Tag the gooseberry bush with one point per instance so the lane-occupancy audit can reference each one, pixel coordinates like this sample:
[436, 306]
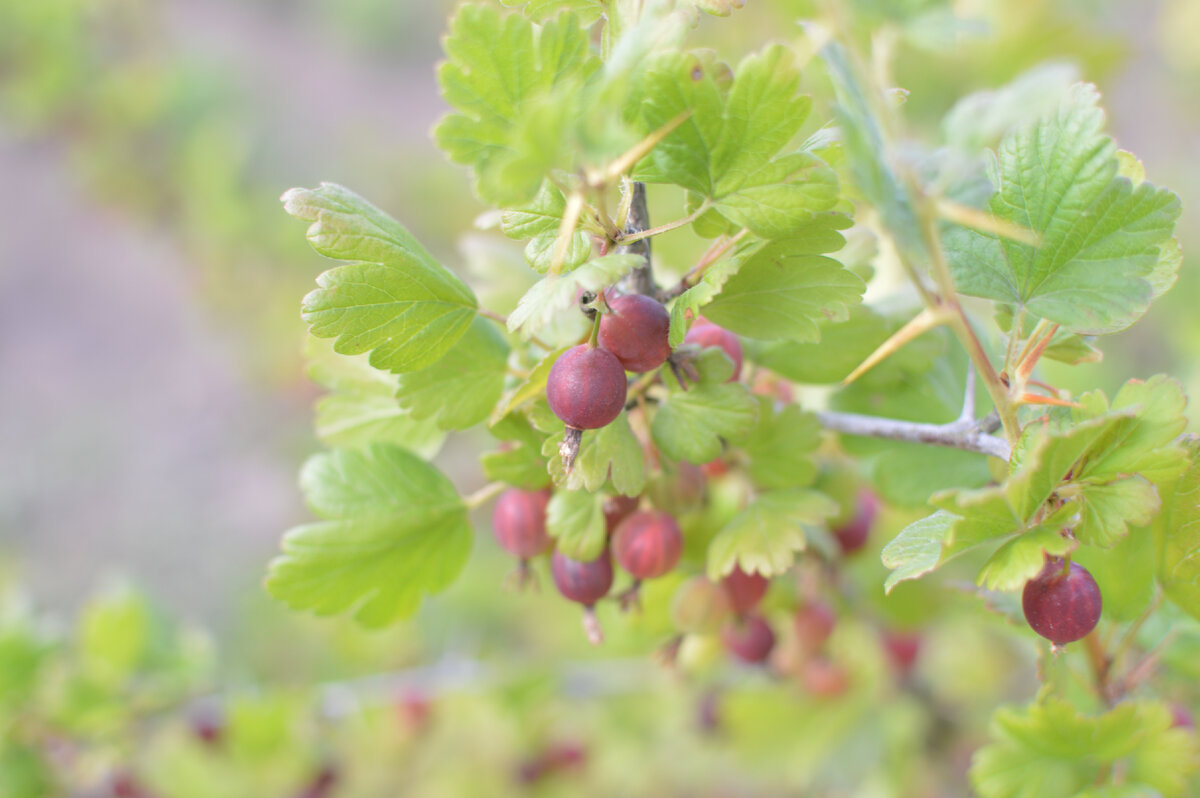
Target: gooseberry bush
[761, 331]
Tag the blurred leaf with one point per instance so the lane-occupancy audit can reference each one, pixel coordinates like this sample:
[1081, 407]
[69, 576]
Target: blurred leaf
[23, 772]
[764, 537]
[539, 222]
[979, 120]
[396, 530]
[691, 423]
[460, 390]
[114, 634]
[781, 446]
[588, 10]
[394, 301]
[1177, 534]
[554, 294]
[610, 455]
[575, 519]
[1049, 750]
[1102, 238]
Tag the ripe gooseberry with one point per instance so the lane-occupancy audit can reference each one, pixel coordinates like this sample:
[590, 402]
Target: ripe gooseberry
[750, 639]
[1062, 604]
[584, 583]
[814, 624]
[852, 535]
[586, 387]
[519, 522]
[636, 332]
[744, 590]
[648, 544]
[705, 334]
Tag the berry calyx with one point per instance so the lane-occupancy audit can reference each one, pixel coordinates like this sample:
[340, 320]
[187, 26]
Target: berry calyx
[586, 387]
[1062, 604]
[584, 583]
[744, 590]
[750, 639]
[852, 535]
[648, 544]
[705, 334]
[519, 522]
[636, 332]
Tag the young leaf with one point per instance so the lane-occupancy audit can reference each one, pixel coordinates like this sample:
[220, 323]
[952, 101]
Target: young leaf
[555, 293]
[575, 519]
[726, 149]
[395, 530]
[461, 389]
[362, 408]
[539, 221]
[609, 455]
[690, 424]
[781, 291]
[1101, 237]
[917, 550]
[394, 301]
[500, 71]
[764, 537]
[1049, 750]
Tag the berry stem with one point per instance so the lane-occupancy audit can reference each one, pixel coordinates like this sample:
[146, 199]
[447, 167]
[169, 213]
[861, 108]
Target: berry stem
[591, 626]
[484, 495]
[1101, 666]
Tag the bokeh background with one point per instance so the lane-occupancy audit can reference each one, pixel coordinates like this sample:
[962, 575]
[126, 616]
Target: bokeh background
[153, 404]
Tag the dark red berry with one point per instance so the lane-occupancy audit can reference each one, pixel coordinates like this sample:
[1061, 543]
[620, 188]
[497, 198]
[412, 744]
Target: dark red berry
[636, 332]
[648, 544]
[750, 639]
[617, 509]
[902, 649]
[814, 624]
[519, 522]
[705, 334]
[415, 708]
[744, 590]
[586, 387]
[1062, 605]
[582, 582]
[824, 677]
[853, 535]
[208, 723]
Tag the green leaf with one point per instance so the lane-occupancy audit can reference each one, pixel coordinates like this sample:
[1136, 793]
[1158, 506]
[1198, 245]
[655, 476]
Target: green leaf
[396, 530]
[690, 424]
[501, 72]
[521, 466]
[539, 222]
[115, 634]
[782, 291]
[460, 390]
[781, 445]
[726, 148]
[609, 455]
[23, 771]
[1049, 750]
[362, 408]
[588, 10]
[1177, 534]
[394, 301]
[575, 519]
[554, 294]
[1101, 237]
[1023, 556]
[764, 537]
[1107, 510]
[917, 550]
[697, 297]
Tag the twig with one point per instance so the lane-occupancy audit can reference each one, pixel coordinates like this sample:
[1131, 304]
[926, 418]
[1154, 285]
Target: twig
[641, 279]
[968, 436]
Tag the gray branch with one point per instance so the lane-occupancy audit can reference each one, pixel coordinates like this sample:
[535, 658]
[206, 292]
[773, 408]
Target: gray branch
[641, 279]
[966, 435]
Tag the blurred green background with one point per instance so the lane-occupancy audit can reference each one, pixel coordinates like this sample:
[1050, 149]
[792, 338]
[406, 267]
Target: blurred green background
[154, 406]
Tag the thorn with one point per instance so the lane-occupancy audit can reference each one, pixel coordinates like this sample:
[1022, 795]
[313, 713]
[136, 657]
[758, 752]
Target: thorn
[924, 321]
[626, 160]
[1036, 399]
[1025, 367]
[986, 222]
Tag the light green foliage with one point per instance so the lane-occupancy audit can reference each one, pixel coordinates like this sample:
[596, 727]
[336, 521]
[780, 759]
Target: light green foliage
[1050, 750]
[764, 537]
[587, 10]
[699, 295]
[395, 530]
[1177, 534]
[1102, 238]
[362, 408]
[511, 83]
[539, 221]
[114, 635]
[728, 148]
[783, 289]
[607, 456]
[460, 390]
[553, 295]
[690, 424]
[575, 519]
[781, 446]
[393, 300]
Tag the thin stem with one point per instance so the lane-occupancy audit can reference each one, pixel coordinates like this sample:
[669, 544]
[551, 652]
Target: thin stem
[594, 339]
[484, 495]
[500, 319]
[956, 435]
[626, 239]
[1101, 666]
[714, 254]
